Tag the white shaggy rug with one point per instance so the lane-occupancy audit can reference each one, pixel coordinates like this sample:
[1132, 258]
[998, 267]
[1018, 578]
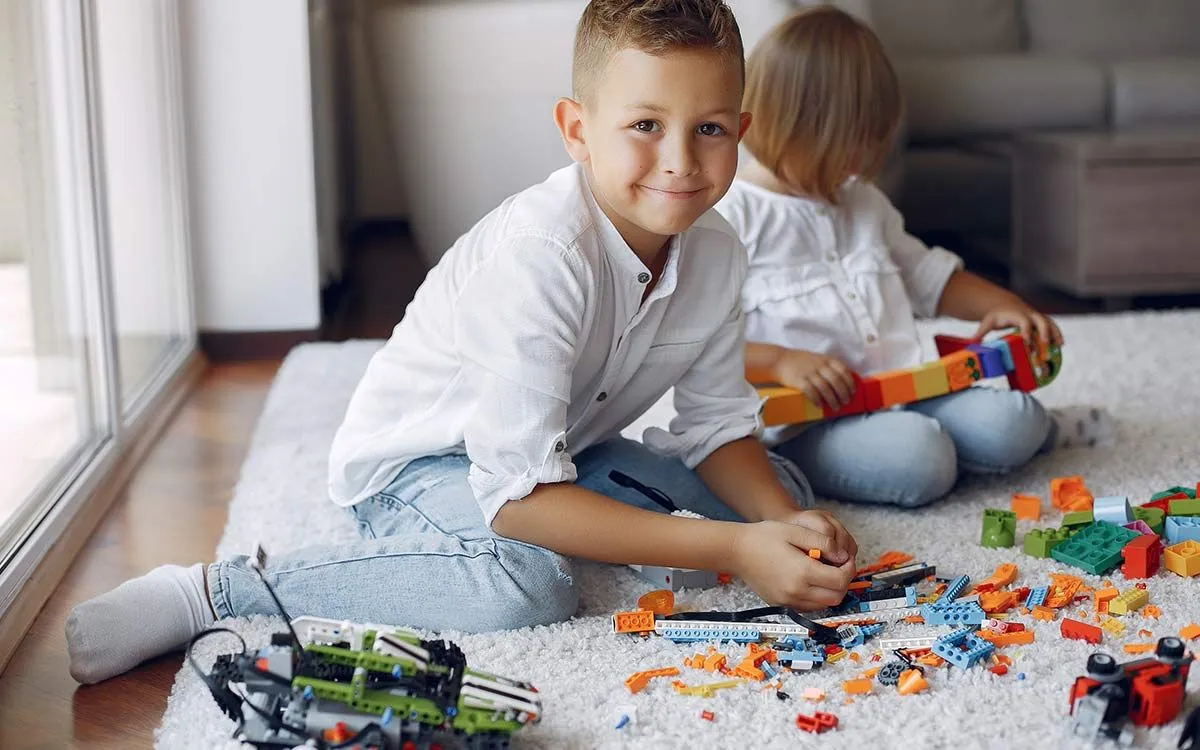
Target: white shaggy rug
[1140, 366]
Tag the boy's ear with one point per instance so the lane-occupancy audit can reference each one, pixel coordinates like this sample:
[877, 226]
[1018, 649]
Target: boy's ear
[744, 125]
[568, 116]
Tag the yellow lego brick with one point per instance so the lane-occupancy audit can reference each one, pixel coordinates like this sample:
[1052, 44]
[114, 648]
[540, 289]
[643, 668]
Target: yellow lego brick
[1128, 601]
[1113, 626]
[931, 380]
[1183, 558]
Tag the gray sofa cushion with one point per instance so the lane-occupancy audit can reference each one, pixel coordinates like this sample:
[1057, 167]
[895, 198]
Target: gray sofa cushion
[985, 95]
[946, 27]
[1155, 92]
[1113, 29]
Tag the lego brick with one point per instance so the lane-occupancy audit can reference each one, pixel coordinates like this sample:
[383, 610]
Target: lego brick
[1183, 558]
[1077, 518]
[967, 613]
[1096, 548]
[1037, 596]
[1187, 492]
[991, 361]
[1153, 517]
[1015, 638]
[1162, 504]
[1184, 508]
[1114, 509]
[1000, 346]
[1140, 527]
[1102, 597]
[1020, 375]
[954, 589]
[1142, 556]
[856, 405]
[999, 528]
[872, 394]
[1067, 493]
[896, 387]
[1181, 528]
[1128, 601]
[782, 406]
[1027, 507]
[947, 344]
[1080, 631]
[1039, 542]
[962, 648]
[962, 370]
[930, 380]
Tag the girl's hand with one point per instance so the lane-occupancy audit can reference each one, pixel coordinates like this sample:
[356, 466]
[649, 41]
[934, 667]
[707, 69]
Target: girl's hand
[844, 547]
[824, 379]
[772, 558]
[1024, 318]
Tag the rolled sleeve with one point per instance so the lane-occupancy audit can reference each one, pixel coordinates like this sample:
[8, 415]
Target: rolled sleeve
[714, 404]
[924, 270]
[517, 322]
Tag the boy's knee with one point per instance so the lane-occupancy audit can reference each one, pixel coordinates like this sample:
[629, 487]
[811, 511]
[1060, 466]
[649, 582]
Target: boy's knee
[928, 465]
[541, 591]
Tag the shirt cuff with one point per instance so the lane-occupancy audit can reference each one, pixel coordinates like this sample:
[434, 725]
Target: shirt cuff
[697, 443]
[928, 280]
[493, 490]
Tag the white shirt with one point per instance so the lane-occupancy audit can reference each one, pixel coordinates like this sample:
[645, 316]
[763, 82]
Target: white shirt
[530, 341]
[843, 280]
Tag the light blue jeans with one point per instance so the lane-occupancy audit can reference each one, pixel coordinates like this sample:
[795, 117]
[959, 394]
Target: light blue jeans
[912, 456]
[426, 558]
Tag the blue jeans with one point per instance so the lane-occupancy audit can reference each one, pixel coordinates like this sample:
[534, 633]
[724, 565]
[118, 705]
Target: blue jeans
[427, 559]
[912, 456]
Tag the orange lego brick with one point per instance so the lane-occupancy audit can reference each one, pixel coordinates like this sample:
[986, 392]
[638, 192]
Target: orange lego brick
[1190, 632]
[869, 673]
[860, 686]
[1145, 633]
[1017, 638]
[998, 601]
[1002, 659]
[896, 387]
[1041, 612]
[911, 682]
[814, 554]
[1102, 599]
[639, 680]
[782, 406]
[930, 660]
[1138, 648]
[1070, 493]
[660, 602]
[714, 662]
[999, 670]
[1151, 611]
[962, 369]
[1027, 507]
[637, 621]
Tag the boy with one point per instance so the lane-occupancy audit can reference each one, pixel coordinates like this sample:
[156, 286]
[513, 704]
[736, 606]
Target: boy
[481, 448]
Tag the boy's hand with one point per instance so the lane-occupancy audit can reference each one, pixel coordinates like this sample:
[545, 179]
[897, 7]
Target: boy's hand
[842, 548]
[772, 558]
[824, 379]
[1023, 317]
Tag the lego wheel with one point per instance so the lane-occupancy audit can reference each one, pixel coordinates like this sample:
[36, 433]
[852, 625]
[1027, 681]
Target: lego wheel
[1045, 371]
[488, 741]
[889, 674]
[1169, 648]
[1100, 666]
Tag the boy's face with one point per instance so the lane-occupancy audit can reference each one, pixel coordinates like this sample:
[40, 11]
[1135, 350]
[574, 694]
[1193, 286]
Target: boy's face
[659, 137]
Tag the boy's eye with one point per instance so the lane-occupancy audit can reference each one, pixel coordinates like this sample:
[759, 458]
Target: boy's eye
[711, 128]
[645, 126]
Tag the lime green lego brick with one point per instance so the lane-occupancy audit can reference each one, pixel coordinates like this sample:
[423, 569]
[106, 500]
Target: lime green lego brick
[1189, 491]
[1077, 518]
[1096, 548]
[999, 528]
[1184, 508]
[1039, 542]
[1154, 518]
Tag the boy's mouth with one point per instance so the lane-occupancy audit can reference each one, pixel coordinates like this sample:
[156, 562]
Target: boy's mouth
[672, 193]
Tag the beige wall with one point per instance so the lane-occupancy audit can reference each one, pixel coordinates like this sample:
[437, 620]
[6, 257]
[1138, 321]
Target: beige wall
[15, 112]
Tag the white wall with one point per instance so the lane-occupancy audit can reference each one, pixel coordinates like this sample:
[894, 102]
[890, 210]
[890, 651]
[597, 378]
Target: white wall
[14, 112]
[250, 161]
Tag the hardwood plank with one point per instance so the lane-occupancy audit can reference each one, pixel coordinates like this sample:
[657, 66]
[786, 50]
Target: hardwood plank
[173, 511]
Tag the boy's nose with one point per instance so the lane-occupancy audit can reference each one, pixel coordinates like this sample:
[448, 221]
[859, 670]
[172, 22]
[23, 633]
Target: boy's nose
[680, 157]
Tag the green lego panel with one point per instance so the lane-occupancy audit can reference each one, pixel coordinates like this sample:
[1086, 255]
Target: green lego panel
[1077, 518]
[1154, 518]
[1184, 508]
[1096, 548]
[1189, 491]
[999, 528]
[1039, 542]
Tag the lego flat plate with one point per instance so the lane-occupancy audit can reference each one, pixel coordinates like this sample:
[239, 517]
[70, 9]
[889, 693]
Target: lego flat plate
[1126, 363]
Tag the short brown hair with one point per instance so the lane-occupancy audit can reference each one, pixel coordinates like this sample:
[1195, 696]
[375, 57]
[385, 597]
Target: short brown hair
[820, 84]
[655, 27]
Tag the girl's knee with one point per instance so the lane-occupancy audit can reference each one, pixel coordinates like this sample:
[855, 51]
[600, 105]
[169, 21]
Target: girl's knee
[928, 467]
[1009, 435]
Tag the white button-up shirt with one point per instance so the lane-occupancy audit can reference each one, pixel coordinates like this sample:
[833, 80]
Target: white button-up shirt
[530, 341]
[843, 280]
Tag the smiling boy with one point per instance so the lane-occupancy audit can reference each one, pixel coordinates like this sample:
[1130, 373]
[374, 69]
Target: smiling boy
[481, 449]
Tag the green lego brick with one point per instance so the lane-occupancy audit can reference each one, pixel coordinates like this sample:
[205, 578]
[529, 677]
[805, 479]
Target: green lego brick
[1077, 518]
[1096, 548]
[1184, 508]
[1154, 518]
[1039, 542]
[1189, 491]
[999, 528]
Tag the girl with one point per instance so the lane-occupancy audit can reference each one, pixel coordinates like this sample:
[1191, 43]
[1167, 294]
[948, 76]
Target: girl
[835, 281]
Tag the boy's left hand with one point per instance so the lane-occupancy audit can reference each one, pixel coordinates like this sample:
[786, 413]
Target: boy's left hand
[823, 522]
[1024, 318]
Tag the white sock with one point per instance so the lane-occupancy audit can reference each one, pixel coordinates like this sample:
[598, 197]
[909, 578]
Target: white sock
[136, 621]
[1079, 426]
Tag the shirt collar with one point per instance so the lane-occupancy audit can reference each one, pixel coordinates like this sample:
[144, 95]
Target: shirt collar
[623, 256]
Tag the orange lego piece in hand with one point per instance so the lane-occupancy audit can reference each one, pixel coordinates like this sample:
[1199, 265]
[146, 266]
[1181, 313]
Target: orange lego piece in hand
[814, 554]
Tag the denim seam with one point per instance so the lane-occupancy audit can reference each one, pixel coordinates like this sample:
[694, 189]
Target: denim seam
[219, 591]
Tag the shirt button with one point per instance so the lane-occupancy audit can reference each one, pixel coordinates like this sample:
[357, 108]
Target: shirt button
[559, 446]
[870, 338]
[643, 278]
[602, 396]
[831, 257]
[851, 295]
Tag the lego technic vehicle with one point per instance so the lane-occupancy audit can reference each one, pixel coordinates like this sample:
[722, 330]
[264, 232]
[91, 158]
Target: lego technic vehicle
[330, 684]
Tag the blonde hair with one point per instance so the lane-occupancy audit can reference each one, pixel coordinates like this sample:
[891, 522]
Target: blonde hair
[655, 27]
[825, 100]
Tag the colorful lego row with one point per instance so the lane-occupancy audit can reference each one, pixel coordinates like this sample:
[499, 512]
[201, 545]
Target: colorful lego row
[961, 364]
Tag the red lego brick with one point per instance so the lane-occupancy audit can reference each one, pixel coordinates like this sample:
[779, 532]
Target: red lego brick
[857, 405]
[1021, 378]
[1142, 556]
[1080, 631]
[873, 395]
[947, 344]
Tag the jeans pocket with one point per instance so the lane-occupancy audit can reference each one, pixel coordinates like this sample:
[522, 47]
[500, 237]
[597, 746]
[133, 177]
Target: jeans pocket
[364, 526]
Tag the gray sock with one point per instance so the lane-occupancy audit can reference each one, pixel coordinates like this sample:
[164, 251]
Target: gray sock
[136, 621]
[1083, 426]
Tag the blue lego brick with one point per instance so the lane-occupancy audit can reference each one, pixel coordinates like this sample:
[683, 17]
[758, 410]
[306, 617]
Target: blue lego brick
[991, 361]
[1001, 346]
[962, 648]
[954, 590]
[1114, 509]
[967, 613]
[871, 630]
[1095, 548]
[1181, 528]
[694, 636]
[1036, 596]
[786, 656]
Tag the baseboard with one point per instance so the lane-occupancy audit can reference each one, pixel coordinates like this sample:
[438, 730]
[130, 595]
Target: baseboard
[246, 346]
[108, 485]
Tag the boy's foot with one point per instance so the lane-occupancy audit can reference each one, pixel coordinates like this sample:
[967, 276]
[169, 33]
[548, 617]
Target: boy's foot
[138, 620]
[1079, 426]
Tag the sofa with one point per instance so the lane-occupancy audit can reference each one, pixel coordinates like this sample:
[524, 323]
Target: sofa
[468, 86]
